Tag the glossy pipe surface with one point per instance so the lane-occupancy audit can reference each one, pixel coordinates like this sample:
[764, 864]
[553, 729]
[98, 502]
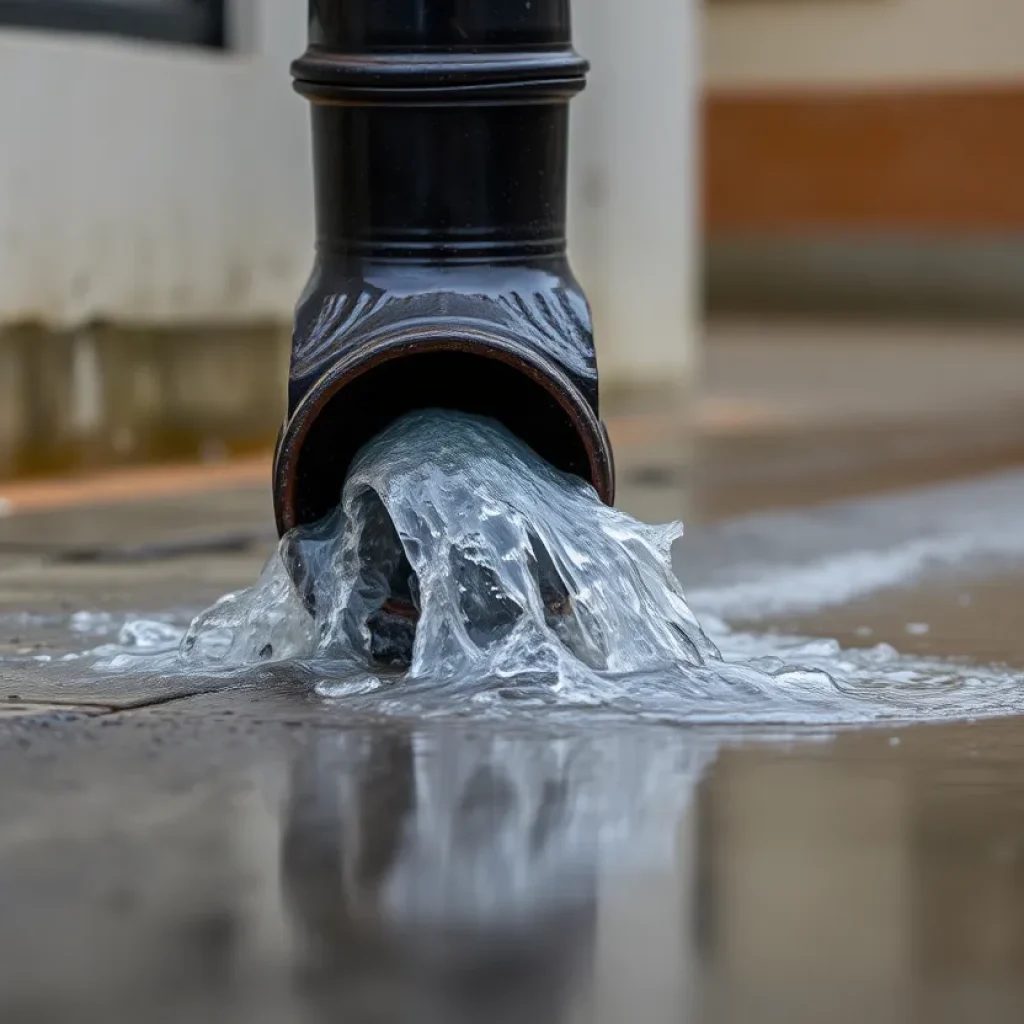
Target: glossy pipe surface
[440, 134]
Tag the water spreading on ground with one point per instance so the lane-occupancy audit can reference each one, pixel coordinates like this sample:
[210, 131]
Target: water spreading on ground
[462, 573]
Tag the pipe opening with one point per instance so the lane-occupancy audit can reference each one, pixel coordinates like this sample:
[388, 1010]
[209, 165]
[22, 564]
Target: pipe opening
[466, 381]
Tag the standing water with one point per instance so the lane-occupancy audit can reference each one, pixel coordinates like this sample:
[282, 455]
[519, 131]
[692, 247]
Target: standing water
[462, 572]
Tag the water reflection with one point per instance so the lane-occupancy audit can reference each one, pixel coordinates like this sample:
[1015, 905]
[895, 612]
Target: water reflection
[444, 874]
[455, 877]
[656, 876]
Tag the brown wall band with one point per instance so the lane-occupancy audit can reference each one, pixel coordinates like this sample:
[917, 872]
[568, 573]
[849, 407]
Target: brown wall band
[928, 160]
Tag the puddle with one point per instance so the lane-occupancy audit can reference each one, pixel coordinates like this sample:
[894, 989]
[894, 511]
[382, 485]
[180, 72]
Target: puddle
[468, 874]
[461, 574]
[460, 872]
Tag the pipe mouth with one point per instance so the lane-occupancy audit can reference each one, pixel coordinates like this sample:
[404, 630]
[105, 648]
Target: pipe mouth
[469, 371]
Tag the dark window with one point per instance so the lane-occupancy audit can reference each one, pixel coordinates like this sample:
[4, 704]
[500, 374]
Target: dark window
[193, 22]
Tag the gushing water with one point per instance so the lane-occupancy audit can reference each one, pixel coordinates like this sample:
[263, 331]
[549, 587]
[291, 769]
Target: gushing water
[462, 572]
[460, 559]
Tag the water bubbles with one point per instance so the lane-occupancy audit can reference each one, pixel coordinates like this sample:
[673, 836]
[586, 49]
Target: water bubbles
[358, 685]
[94, 623]
[147, 635]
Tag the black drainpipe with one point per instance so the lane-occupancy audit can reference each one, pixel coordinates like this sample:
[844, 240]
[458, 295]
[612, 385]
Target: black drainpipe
[440, 142]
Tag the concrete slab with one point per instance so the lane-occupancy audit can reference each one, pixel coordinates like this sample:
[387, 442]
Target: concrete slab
[969, 613]
[252, 853]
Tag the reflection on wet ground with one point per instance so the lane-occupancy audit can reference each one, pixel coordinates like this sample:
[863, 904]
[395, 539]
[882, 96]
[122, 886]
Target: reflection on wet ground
[364, 875]
[234, 872]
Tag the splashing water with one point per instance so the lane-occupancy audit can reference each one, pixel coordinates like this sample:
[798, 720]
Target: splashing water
[459, 556]
[461, 571]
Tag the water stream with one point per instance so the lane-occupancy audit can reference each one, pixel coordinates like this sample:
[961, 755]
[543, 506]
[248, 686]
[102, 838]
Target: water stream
[462, 573]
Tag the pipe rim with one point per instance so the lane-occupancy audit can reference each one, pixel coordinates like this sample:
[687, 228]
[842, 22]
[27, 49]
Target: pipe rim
[420, 340]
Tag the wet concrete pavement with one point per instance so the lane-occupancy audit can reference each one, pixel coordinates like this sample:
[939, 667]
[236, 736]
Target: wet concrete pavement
[257, 854]
[242, 868]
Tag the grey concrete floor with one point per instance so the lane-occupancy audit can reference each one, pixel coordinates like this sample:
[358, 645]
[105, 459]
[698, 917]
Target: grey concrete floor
[195, 851]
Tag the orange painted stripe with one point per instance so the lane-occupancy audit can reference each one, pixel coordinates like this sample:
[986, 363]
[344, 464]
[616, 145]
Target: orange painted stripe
[138, 484]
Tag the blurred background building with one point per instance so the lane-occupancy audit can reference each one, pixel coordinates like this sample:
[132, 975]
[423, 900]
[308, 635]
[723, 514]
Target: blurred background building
[156, 208]
[155, 226]
[864, 154]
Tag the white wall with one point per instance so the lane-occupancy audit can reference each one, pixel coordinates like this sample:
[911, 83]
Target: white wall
[162, 185]
[633, 203]
[152, 184]
[751, 43]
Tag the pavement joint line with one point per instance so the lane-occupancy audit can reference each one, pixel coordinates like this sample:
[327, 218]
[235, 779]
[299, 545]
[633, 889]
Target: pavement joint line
[104, 708]
[171, 698]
